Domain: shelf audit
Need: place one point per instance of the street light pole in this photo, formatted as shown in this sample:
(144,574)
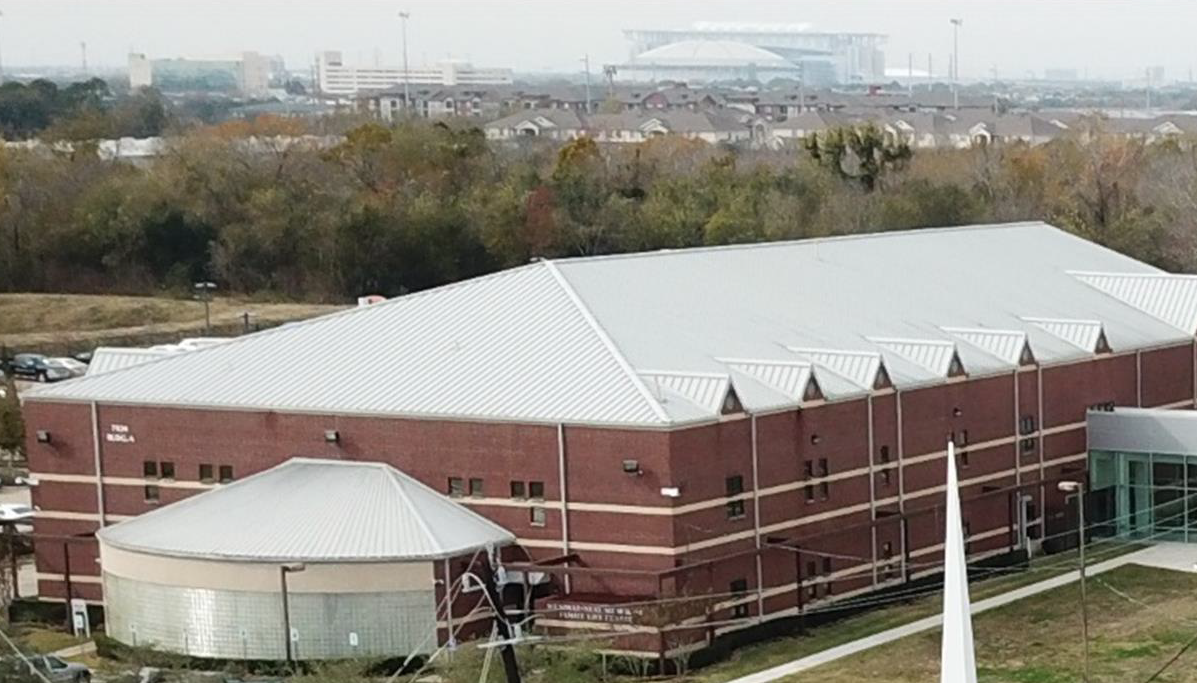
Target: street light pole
(283,571)
(1078,488)
(956,24)
(403,17)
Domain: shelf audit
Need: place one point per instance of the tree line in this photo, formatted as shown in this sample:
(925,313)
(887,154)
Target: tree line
(395,209)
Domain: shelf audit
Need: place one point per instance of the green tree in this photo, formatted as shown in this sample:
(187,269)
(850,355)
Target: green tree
(863,154)
(12,425)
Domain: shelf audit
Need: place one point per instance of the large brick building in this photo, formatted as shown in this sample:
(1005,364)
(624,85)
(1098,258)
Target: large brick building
(763,423)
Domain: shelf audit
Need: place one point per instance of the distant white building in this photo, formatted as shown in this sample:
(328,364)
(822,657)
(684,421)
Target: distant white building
(248,73)
(335,77)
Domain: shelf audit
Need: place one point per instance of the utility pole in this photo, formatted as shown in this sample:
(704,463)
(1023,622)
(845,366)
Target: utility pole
(83,55)
(956,24)
(2,73)
(507,649)
(403,17)
(1078,488)
(586,63)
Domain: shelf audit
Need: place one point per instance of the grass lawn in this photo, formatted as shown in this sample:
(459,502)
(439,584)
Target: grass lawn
(1038,640)
(753,658)
(29,319)
(41,638)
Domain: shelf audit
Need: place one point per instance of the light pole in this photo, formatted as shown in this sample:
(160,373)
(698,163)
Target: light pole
(1078,488)
(283,571)
(403,17)
(956,24)
(203,290)
(1,64)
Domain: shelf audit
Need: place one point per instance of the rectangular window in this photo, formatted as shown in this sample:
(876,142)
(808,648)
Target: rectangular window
(536,490)
(826,566)
(887,550)
(735,485)
(884,454)
(151,493)
(824,491)
(811,569)
(226,474)
(1028,446)
(823,471)
(1026,425)
(809,491)
(884,477)
(519,490)
(735,509)
(166,469)
(149,469)
(206,474)
(739,587)
(456,487)
(962,459)
(808,469)
(536,516)
(475,487)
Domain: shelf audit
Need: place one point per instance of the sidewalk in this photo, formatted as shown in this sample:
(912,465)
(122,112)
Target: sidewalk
(76,650)
(1166,555)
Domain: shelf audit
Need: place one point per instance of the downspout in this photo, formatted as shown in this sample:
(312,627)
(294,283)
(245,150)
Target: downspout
(901,483)
(561,485)
(449,640)
(97,463)
(1039,437)
(872,488)
(756,524)
(1139,378)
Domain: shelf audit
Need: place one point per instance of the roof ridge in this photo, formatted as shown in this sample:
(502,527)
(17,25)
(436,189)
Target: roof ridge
(808,240)
(606,340)
(393,474)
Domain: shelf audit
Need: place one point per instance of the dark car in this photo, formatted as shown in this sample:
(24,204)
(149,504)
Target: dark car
(37,367)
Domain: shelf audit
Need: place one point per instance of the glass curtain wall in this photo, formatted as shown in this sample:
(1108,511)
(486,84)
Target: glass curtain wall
(1151,495)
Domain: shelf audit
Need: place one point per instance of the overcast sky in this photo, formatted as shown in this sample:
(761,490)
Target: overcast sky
(1108,38)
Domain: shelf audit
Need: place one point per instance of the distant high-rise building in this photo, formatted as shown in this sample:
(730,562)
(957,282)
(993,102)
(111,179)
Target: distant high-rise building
(840,57)
(1061,74)
(247,73)
(335,77)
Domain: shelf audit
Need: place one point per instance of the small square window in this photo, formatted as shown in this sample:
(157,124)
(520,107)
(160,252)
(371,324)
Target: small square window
(207,473)
(151,493)
(536,516)
(519,490)
(735,509)
(456,487)
(166,469)
(226,474)
(149,469)
(735,485)
(536,490)
(1028,446)
(475,487)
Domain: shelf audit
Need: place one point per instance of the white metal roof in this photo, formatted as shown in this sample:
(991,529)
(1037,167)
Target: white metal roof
(570,341)
(109,358)
(310,510)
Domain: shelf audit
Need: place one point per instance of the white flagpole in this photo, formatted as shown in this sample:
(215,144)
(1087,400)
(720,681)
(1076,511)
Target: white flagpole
(958,659)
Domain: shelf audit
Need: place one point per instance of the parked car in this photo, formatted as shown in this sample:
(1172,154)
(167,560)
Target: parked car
(75,367)
(15,512)
(34,366)
(54,668)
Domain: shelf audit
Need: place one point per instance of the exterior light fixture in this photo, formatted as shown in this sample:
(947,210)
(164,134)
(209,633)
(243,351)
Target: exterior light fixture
(43,436)
(632,467)
(957,412)
(332,436)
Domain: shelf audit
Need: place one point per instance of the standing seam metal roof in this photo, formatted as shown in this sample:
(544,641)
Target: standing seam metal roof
(569,341)
(312,510)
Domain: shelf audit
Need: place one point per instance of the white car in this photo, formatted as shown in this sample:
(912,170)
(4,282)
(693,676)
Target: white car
(65,368)
(15,512)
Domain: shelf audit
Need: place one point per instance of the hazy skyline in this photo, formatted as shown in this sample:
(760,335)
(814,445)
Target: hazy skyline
(1111,39)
